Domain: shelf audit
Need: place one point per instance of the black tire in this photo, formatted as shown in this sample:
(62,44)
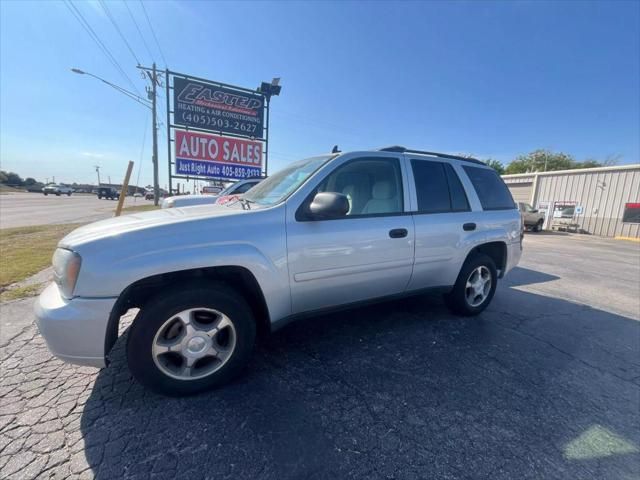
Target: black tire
(161,308)
(457,301)
(68,194)
(46,194)
(538,226)
(99,197)
(57,194)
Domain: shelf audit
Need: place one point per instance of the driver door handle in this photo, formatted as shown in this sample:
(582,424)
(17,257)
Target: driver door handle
(398,233)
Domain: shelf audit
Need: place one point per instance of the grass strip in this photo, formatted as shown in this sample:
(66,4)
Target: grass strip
(25,251)
(140,208)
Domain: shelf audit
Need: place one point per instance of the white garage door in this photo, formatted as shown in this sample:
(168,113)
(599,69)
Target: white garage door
(521,192)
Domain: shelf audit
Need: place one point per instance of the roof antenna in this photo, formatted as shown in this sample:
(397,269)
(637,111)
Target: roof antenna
(335,149)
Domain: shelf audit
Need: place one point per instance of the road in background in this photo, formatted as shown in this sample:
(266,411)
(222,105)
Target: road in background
(543,384)
(25,209)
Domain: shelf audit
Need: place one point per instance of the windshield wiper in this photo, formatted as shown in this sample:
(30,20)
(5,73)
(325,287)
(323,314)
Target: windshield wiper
(246,204)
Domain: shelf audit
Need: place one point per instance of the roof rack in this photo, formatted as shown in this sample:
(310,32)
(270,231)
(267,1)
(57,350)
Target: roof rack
(400,149)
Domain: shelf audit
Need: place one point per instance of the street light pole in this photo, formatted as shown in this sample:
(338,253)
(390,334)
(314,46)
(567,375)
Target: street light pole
(126,92)
(142,101)
(268,90)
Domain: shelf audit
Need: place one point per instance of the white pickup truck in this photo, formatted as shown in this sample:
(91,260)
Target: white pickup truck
(57,190)
(330,231)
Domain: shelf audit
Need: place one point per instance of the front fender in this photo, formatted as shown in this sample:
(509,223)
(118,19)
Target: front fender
(127,270)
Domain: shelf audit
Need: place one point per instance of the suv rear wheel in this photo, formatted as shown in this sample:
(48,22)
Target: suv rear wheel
(475,286)
(191,340)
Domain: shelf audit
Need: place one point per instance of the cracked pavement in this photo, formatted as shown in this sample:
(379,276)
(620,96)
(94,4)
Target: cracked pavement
(544,384)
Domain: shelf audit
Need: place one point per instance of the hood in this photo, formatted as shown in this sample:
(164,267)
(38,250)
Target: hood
(185,200)
(143,221)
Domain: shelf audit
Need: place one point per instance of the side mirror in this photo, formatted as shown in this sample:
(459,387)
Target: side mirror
(329,205)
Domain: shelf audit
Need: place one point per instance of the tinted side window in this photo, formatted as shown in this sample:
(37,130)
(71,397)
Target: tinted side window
(244,188)
(459,202)
(491,190)
(431,186)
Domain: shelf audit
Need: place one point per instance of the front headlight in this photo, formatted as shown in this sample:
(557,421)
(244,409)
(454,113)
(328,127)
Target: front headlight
(66,267)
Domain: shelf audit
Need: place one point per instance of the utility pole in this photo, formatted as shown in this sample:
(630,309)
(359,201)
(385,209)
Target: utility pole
(98,172)
(154,156)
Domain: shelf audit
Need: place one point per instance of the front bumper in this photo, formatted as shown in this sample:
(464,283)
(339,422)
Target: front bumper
(74,329)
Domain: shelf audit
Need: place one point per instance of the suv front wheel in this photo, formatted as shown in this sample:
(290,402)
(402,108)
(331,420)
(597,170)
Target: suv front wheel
(193,339)
(475,286)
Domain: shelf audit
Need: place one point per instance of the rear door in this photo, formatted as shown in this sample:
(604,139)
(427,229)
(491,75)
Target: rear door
(443,221)
(366,254)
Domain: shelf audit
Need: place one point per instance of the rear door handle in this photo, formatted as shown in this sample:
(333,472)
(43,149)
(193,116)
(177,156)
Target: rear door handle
(467,227)
(398,233)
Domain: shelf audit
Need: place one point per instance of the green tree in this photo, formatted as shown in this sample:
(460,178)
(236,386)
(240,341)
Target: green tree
(496,165)
(589,164)
(547,161)
(13,179)
(29,181)
(3,176)
(540,161)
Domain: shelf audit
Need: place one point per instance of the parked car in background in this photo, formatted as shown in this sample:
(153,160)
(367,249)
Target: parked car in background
(57,189)
(531,217)
(107,193)
(237,188)
(325,232)
(137,195)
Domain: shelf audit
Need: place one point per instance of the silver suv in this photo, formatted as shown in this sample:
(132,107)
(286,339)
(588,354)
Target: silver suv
(332,230)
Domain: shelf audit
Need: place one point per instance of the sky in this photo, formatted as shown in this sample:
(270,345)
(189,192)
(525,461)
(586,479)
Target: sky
(492,79)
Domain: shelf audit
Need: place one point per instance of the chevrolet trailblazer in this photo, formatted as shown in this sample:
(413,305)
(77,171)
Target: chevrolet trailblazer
(325,232)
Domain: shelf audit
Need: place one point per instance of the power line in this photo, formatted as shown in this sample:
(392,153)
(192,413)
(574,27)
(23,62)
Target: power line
(139,31)
(113,22)
(94,36)
(153,33)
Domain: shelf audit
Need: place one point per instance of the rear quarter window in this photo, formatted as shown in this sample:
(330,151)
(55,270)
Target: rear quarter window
(491,190)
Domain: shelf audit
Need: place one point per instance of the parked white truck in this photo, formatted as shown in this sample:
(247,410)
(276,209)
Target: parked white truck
(329,231)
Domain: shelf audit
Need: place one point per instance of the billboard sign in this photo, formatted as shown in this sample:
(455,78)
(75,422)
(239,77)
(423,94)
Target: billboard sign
(204,155)
(217,109)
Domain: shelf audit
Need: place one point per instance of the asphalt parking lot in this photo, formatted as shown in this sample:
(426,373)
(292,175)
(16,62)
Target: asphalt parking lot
(24,209)
(544,384)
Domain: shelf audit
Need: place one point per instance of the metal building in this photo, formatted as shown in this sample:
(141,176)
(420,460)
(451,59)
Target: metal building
(600,201)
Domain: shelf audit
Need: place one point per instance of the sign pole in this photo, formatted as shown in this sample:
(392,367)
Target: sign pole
(266,143)
(156,187)
(166,79)
(125,188)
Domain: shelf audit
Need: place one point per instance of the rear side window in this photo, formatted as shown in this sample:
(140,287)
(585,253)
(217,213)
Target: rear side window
(431,186)
(491,190)
(438,187)
(459,202)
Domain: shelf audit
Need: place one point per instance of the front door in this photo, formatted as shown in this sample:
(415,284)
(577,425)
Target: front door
(366,254)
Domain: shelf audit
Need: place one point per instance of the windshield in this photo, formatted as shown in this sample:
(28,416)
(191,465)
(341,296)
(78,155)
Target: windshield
(280,185)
